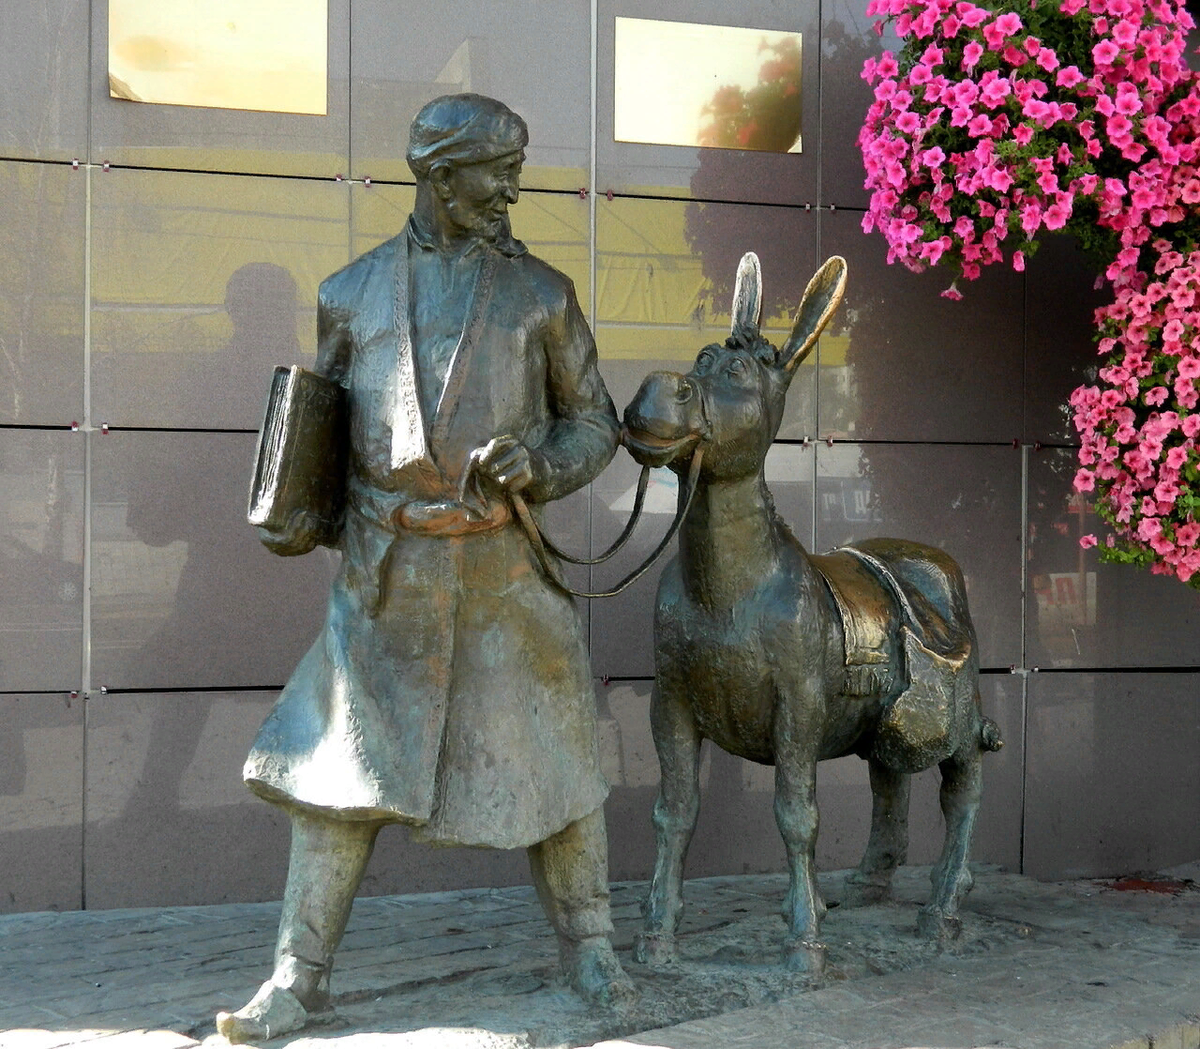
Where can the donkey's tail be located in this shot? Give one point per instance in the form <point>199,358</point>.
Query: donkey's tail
<point>989,735</point>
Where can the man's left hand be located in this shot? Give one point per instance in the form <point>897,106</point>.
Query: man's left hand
<point>506,461</point>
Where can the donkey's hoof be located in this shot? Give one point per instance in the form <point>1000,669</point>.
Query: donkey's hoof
<point>655,949</point>
<point>940,928</point>
<point>862,891</point>
<point>804,956</point>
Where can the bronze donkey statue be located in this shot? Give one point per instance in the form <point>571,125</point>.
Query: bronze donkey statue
<point>786,658</point>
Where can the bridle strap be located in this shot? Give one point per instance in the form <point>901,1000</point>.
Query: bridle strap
<point>639,499</point>
<point>542,547</point>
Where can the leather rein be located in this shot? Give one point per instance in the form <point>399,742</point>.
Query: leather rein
<point>546,550</point>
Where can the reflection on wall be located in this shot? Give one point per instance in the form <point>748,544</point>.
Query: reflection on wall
<point>533,56</point>
<point>1062,574</point>
<point>227,54</point>
<point>685,84</point>
<point>1082,613</point>
<point>665,284</point>
<point>664,287</point>
<point>553,226</point>
<point>201,286</point>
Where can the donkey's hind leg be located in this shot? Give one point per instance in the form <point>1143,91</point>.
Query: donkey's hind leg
<point>677,741</point>
<point>887,847</point>
<point>951,878</point>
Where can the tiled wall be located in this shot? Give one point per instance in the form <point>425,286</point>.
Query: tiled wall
<point>155,262</point>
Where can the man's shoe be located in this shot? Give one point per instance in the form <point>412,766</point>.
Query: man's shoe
<point>272,1012</point>
<point>592,969</point>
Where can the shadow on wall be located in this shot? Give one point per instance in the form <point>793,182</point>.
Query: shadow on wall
<point>215,620</point>
<point>174,369</point>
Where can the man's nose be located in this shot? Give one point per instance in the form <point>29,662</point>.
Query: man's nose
<point>511,191</point>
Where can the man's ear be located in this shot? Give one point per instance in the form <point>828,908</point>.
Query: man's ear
<point>439,179</point>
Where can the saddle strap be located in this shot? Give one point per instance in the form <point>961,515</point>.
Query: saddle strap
<point>885,573</point>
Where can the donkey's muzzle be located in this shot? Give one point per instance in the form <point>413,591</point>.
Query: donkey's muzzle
<point>665,419</point>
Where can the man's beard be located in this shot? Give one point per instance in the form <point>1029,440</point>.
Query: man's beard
<point>484,227</point>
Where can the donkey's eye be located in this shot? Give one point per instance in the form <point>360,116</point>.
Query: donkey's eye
<point>735,366</point>
<point>703,361</point>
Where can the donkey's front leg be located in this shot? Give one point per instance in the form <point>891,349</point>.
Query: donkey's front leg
<point>677,742</point>
<point>797,817</point>
<point>962,780</point>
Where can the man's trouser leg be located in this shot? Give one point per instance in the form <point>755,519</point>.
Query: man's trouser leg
<point>327,862</point>
<point>570,873</point>
<point>326,866</point>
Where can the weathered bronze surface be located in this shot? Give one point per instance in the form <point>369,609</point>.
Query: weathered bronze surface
<point>788,659</point>
<point>450,688</point>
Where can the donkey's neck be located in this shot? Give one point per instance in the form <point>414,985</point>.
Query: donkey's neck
<point>728,544</point>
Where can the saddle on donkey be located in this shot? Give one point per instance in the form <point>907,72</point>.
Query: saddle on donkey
<point>873,582</point>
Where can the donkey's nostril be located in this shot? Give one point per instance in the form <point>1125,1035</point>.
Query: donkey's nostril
<point>684,391</point>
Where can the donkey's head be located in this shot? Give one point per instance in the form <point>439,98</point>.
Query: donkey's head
<point>732,400</point>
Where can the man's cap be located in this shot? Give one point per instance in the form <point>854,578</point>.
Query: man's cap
<point>463,129</point>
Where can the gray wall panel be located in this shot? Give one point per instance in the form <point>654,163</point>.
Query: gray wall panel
<point>920,367</point>
<point>41,802</point>
<point>711,174</point>
<point>44,80</point>
<point>41,297</point>
<point>535,57</point>
<point>169,821</point>
<point>201,285</point>
<point>183,593</point>
<point>1112,778</point>
<point>41,559</point>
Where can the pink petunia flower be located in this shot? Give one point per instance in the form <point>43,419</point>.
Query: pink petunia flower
<point>1068,77</point>
<point>1055,216</point>
<point>1047,59</point>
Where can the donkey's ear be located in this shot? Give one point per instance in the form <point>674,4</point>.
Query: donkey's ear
<point>747,294</point>
<point>821,298</point>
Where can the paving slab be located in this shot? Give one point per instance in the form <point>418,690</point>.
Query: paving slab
<point>1077,965</point>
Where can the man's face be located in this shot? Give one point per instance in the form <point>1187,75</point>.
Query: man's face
<point>479,194</point>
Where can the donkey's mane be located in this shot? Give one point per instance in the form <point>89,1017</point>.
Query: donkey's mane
<point>751,340</point>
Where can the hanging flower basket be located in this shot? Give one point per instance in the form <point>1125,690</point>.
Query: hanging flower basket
<point>1139,424</point>
<point>999,121</point>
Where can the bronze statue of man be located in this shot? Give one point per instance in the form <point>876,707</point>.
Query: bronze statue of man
<point>450,688</point>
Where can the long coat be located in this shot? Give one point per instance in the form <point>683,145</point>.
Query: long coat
<point>450,687</point>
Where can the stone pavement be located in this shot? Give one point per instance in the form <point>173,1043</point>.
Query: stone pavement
<point>1073,965</point>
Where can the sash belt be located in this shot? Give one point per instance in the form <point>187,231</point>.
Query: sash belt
<point>451,518</point>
